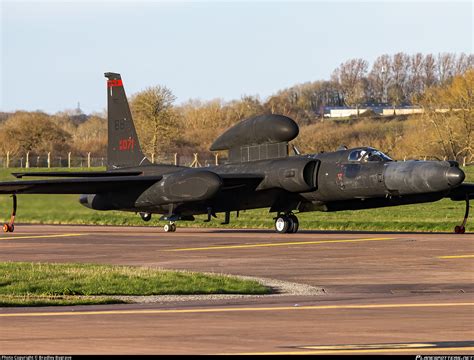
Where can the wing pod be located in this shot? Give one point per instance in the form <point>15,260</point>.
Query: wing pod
<point>184,186</point>
<point>258,138</point>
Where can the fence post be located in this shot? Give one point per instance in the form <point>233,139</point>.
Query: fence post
<point>88,159</point>
<point>8,159</point>
<point>27,165</point>
<point>195,162</point>
<point>463,160</point>
<point>49,159</point>
<point>153,158</point>
<point>176,159</point>
<point>69,160</point>
<point>217,158</point>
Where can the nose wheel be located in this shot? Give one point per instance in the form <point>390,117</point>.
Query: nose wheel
<point>461,229</point>
<point>287,223</point>
<point>10,227</point>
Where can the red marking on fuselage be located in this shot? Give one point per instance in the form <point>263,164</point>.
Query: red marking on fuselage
<point>112,83</point>
<point>126,144</point>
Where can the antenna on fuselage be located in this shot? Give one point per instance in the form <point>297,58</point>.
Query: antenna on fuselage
<point>295,149</point>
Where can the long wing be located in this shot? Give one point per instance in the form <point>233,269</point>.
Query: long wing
<point>462,192</point>
<point>76,174</point>
<point>78,186</point>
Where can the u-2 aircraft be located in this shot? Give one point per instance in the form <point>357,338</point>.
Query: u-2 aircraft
<point>260,173</point>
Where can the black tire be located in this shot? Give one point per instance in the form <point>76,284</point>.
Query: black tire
<point>459,229</point>
<point>145,216</point>
<point>295,224</point>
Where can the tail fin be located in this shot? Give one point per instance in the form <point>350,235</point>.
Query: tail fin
<point>123,149</point>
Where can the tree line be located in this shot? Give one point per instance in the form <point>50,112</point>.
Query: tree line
<point>164,127</point>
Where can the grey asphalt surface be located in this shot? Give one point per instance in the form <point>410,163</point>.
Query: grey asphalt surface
<point>397,293</point>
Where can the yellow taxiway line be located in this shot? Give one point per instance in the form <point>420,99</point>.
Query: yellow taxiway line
<point>456,257</point>
<point>279,244</point>
<point>40,236</point>
<point>236,309</point>
<point>247,246</point>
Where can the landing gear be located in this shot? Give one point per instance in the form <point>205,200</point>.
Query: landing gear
<point>171,227</point>
<point>287,223</point>
<point>10,227</point>
<point>296,224</point>
<point>461,229</point>
<point>145,216</point>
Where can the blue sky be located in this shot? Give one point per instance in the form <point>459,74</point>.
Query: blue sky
<point>54,54</point>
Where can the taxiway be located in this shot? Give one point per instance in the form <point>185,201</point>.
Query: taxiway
<point>392,293</point>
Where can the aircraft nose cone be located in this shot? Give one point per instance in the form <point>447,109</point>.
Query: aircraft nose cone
<point>455,176</point>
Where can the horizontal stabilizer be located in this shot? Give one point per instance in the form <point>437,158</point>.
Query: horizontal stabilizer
<point>79,186</point>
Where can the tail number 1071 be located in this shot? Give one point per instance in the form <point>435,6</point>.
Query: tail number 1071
<point>126,144</point>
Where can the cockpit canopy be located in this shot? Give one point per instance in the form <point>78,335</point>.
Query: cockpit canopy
<point>368,155</point>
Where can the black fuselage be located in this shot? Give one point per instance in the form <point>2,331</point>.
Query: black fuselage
<point>321,182</point>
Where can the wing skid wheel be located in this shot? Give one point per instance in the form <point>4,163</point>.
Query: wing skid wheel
<point>10,227</point>
<point>461,229</point>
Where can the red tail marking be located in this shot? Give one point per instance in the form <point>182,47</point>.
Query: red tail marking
<point>112,83</point>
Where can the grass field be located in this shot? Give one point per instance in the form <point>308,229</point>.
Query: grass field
<point>65,209</point>
<point>27,284</point>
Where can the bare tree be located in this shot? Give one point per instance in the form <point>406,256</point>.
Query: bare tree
<point>349,76</point>
<point>416,85</point>
<point>446,67</point>
<point>155,119</point>
<point>400,81</point>
<point>429,71</point>
<point>380,78</point>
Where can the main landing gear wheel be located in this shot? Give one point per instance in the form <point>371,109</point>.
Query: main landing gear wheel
<point>170,227</point>
<point>296,224</point>
<point>286,224</point>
